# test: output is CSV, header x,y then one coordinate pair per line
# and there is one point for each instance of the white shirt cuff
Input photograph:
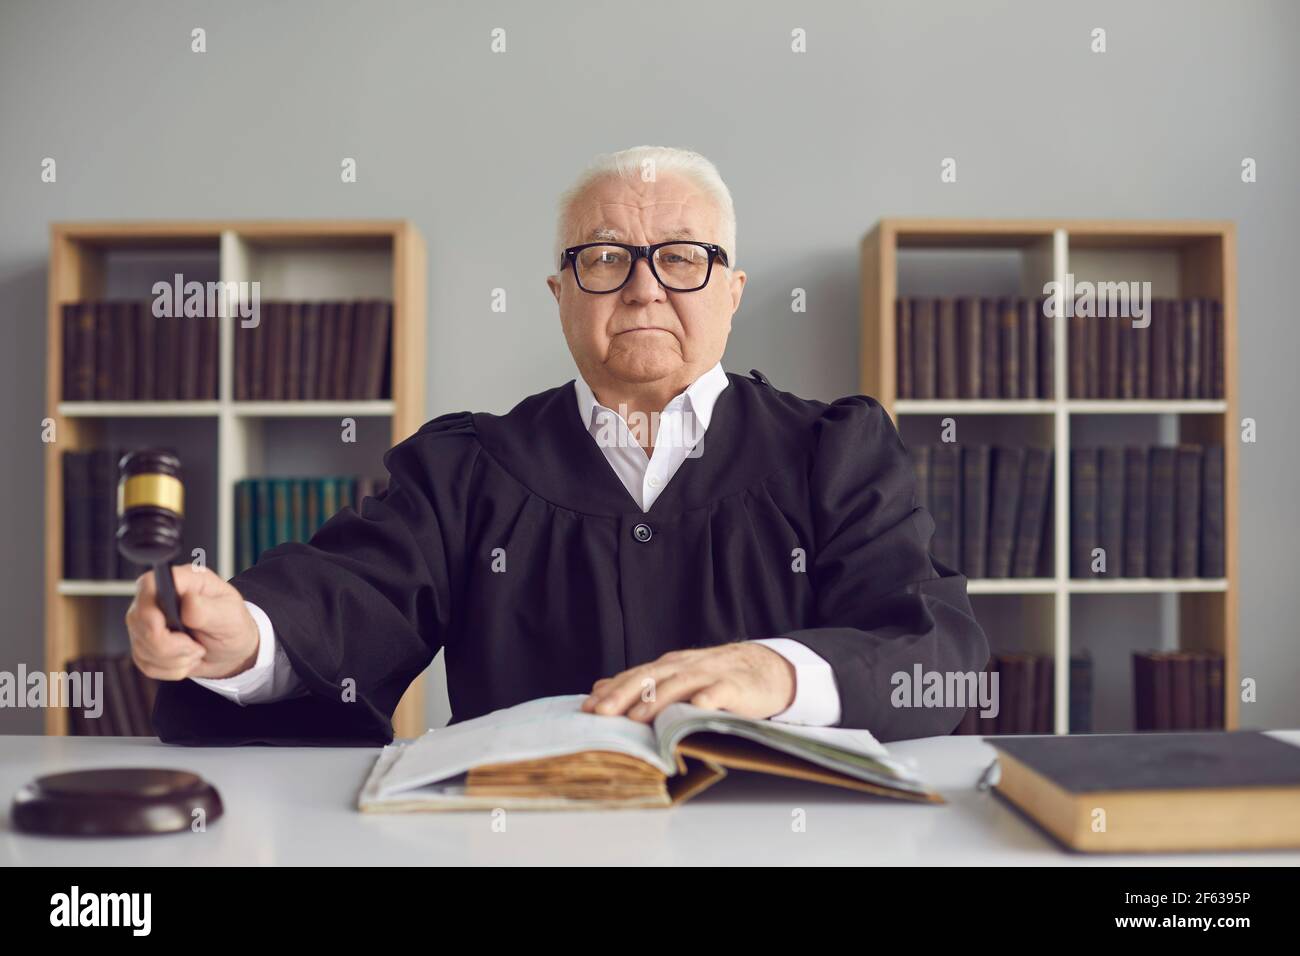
x,y
816,697
271,677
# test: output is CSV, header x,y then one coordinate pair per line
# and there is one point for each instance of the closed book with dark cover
x,y
1127,358
1177,328
1046,351
903,347
191,331
1110,326
1161,792
1076,358
1093,357
924,348
1110,513
257,352
946,339
329,332
1008,472
78,510
311,345
1009,348
1212,514
375,383
103,537
945,503
1135,512
991,343
1142,357
1159,358
1028,348
124,346
105,359
970,352
1160,507
1207,348
1035,495
1220,336
277,350
975,510
1084,529
1192,349
293,351
346,318
1187,523
146,361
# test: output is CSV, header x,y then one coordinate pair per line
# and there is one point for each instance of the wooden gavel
x,y
150,513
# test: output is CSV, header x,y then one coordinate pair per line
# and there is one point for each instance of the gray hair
x,y
633,164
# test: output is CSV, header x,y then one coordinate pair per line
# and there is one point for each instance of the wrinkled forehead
x,y
622,212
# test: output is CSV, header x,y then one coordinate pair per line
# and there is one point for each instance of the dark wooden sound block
x,y
115,801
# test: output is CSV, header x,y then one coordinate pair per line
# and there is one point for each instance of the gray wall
x,y
816,147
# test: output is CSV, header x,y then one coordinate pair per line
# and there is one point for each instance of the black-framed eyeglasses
x,y
678,266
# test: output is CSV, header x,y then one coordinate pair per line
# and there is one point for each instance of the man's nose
x,y
643,286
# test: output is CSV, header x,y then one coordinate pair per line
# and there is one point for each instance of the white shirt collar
x,y
702,394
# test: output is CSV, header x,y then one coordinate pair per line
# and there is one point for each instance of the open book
x,y
548,755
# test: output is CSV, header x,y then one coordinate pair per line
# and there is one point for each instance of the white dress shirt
x,y
678,434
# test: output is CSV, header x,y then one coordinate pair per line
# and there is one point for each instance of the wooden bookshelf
x,y
1181,259
223,441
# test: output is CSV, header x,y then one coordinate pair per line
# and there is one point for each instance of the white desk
x,y
296,806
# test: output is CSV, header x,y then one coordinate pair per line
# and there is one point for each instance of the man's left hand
x,y
745,678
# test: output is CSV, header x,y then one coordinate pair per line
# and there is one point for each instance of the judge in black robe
x,y
577,594
508,541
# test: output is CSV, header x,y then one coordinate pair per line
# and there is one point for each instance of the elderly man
x,y
655,530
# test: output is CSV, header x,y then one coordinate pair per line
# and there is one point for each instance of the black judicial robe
x,y
509,542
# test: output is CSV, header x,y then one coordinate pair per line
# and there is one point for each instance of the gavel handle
x,y
167,599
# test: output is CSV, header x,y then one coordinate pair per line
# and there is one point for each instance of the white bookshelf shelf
x,y
311,409
994,406
1011,586
138,409
971,406
1146,585
1139,407
96,588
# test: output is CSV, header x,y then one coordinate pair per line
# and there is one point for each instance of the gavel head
x,y
150,506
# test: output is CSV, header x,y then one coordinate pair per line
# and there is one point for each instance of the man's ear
x,y
553,283
737,288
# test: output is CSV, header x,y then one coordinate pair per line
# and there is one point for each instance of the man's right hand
x,y
225,638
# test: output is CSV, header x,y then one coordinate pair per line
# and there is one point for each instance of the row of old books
x,y
128,698
1147,512
1027,696
1177,690
271,511
315,351
970,347
1178,355
990,507
90,517
119,351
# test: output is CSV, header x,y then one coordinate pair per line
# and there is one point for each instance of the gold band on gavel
x,y
151,491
